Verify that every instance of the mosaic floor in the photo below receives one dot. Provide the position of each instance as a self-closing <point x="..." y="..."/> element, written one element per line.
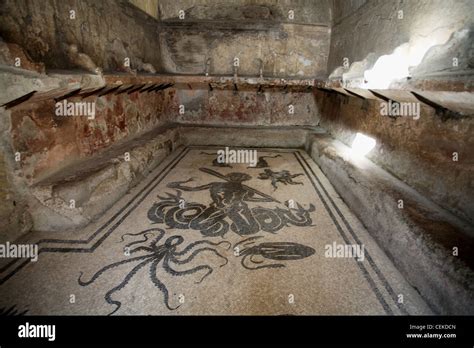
<point x="199" y="237"/>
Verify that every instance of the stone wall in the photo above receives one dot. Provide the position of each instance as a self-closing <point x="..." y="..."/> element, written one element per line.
<point x="287" y="50"/>
<point x="259" y="33"/>
<point x="15" y="83"/>
<point x="223" y="107"/>
<point x="48" y="142"/>
<point x="13" y="210"/>
<point x="419" y="152"/>
<point x="35" y="143"/>
<point x="305" y="11"/>
<point x="103" y="32"/>
<point x="381" y="28"/>
<point x="396" y="40"/>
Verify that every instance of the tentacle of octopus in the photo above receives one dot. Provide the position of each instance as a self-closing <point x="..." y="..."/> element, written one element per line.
<point x="160" y="285"/>
<point x="144" y="233"/>
<point x="192" y="245"/>
<point x="247" y="240"/>
<point x="108" y="295"/>
<point x="174" y="272"/>
<point x="275" y="265"/>
<point x="142" y="248"/>
<point x="171" y="196"/>
<point x="139" y="241"/>
<point x="194" y="254"/>
<point x="253" y="261"/>
<point x="113" y="265"/>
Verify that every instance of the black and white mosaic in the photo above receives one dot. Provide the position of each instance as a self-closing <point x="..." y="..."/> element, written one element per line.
<point x="210" y="236"/>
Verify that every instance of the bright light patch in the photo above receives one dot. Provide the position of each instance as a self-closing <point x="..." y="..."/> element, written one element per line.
<point x="396" y="66"/>
<point x="362" y="145"/>
<point x="388" y="68"/>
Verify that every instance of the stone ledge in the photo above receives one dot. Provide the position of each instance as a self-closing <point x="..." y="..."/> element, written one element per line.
<point x="96" y="183"/>
<point x="418" y="238"/>
<point x="247" y="136"/>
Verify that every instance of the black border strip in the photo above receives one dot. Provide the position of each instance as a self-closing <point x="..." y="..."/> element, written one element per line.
<point x="364" y="271"/>
<point x="170" y="166"/>
<point x="372" y="263"/>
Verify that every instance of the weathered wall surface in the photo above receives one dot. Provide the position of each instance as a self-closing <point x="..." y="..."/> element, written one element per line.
<point x="211" y="35"/>
<point x="287" y="50"/>
<point x="306" y="11"/>
<point x="35" y="143"/>
<point x="13" y="214"/>
<point x="48" y="142"/>
<point x="222" y="107"/>
<point x="95" y="183"/>
<point x="105" y="31"/>
<point x="15" y="83"/>
<point x="259" y="33"/>
<point x="419" y="152"/>
<point x="385" y="42"/>
<point x="424" y="25"/>
<point x="342" y="9"/>
<point x="72" y="157"/>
